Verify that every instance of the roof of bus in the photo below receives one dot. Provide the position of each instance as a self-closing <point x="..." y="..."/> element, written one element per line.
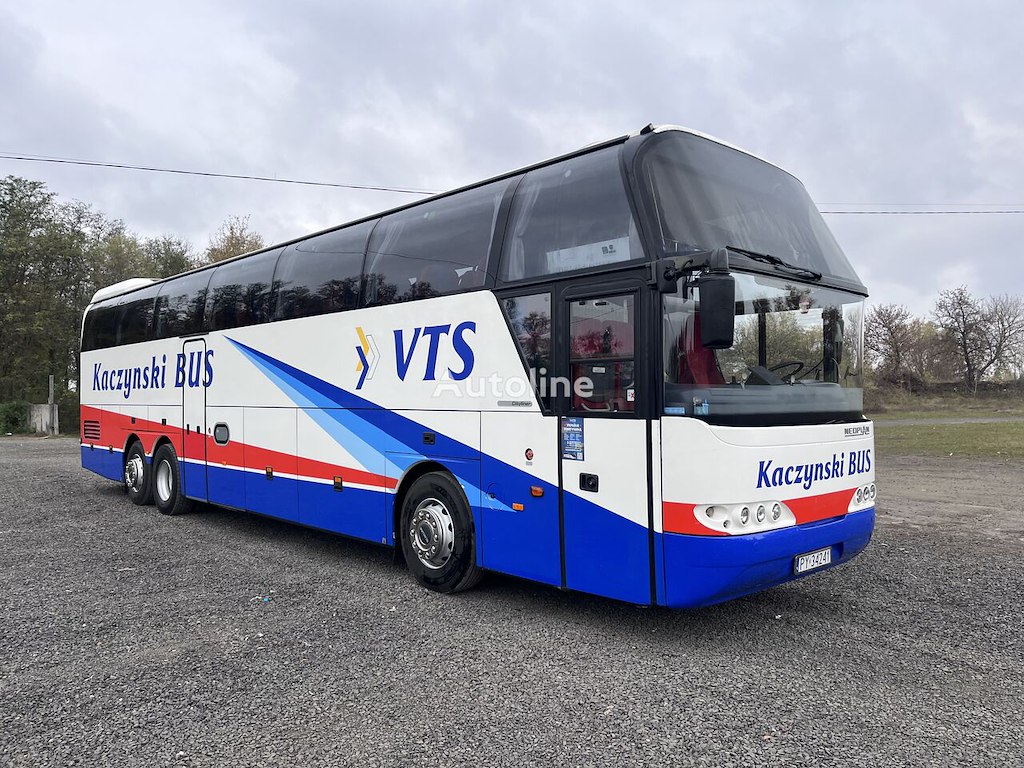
<point x="133" y="284"/>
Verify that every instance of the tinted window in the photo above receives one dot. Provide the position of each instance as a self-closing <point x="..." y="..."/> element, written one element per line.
<point x="180" y="305"/>
<point x="570" y="215"/>
<point x="530" y="318"/>
<point x="135" y="316"/>
<point x="240" y="292"/>
<point x="436" y="248"/>
<point x="321" y="274"/>
<point x="704" y="195"/>
<point x="100" y="329"/>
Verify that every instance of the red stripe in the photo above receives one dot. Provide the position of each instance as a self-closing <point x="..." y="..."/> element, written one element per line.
<point x="115" y="429"/>
<point x="812" y="508"/>
<point x="679" y="518"/>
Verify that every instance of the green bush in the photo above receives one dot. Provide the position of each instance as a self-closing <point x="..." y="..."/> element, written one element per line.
<point x="13" y="417"/>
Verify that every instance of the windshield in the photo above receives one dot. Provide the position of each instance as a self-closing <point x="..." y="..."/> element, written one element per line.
<point x="796" y="357"/>
<point x="703" y="195"/>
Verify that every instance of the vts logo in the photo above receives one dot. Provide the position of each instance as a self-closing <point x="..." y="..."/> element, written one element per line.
<point x="369" y="356"/>
<point x="421" y="343"/>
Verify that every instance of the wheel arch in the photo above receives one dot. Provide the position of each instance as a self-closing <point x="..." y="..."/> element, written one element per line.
<point x="132" y="438"/>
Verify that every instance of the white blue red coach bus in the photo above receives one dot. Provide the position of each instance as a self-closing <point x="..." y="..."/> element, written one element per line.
<point x="632" y="371"/>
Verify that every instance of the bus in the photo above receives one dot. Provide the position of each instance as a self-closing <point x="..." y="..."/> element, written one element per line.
<point x="632" y="371"/>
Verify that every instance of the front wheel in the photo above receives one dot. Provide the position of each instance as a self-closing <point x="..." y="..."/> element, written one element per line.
<point x="167" y="491"/>
<point x="436" y="535"/>
<point x="138" y="475"/>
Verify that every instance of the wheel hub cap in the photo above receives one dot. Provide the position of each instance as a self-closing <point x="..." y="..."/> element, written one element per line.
<point x="134" y="473"/>
<point x="432" y="534"/>
<point x="163" y="480"/>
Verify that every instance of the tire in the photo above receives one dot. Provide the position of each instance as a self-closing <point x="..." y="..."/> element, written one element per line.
<point x="437" y="536"/>
<point x="138" y="475"/>
<point x="166" y="483"/>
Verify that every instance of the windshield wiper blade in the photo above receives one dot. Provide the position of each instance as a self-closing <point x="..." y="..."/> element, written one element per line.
<point x="767" y="258"/>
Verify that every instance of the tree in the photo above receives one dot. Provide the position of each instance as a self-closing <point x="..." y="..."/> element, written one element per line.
<point x="168" y="256"/>
<point x="233" y="238"/>
<point x="887" y="338"/>
<point x="987" y="333"/>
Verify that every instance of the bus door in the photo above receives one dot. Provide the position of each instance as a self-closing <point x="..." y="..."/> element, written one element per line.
<point x="604" y="446"/>
<point x="193" y="419"/>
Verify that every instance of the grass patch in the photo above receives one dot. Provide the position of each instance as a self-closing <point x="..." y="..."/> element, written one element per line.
<point x="992" y="440"/>
<point x="953" y="412"/>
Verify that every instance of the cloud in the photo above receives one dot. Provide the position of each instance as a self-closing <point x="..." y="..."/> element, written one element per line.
<point x="867" y="103"/>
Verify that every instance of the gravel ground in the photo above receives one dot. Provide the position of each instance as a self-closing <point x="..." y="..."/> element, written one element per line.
<point x="130" y="638"/>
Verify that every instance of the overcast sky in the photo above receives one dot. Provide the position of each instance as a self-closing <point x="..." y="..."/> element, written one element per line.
<point x="878" y="104"/>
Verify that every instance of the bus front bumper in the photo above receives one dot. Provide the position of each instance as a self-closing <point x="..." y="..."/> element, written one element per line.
<point x="704" y="570"/>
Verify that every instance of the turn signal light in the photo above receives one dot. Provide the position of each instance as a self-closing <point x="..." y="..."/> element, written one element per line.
<point x="536" y="491"/>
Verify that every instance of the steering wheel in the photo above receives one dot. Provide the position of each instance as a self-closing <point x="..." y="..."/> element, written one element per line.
<point x="796" y="365"/>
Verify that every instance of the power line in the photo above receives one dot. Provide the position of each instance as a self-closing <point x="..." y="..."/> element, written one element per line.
<point x="980" y="208"/>
<point x="924" y="213"/>
<point x="125" y="166"/>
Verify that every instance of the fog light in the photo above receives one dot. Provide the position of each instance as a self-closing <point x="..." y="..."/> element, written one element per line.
<point x="776" y="512"/>
<point x="760" y="514"/>
<point x="744" y="516"/>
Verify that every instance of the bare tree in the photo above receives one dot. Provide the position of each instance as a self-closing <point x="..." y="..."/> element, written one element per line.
<point x="233" y="238"/>
<point x="931" y="354"/>
<point x="887" y="338"/>
<point x="987" y="333"/>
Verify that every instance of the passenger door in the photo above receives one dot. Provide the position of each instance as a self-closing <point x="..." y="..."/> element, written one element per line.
<point x="604" y="445"/>
<point x="193" y="419"/>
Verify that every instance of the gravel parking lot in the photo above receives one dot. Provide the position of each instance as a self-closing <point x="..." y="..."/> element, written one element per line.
<point x="130" y="638"/>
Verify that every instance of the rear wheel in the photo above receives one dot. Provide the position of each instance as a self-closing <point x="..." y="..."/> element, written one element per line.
<point x="138" y="475"/>
<point x="437" y="536"/>
<point x="167" y="483"/>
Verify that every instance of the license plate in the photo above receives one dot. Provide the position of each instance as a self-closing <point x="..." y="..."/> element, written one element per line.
<point x="819" y="558"/>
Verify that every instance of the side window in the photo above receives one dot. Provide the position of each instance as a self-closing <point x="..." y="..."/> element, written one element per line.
<point x="321" y="274"/>
<point x="530" y="319"/>
<point x="601" y="341"/>
<point x="180" y="305"/>
<point x="100" y="329"/>
<point x="569" y="216"/>
<point x="240" y="292"/>
<point x="135" y="316"/>
<point x="433" y="249"/>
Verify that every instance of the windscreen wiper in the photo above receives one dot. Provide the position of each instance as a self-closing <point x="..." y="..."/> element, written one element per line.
<point x="767" y="258"/>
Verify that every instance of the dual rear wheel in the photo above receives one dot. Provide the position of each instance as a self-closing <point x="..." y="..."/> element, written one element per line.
<point x="158" y="482"/>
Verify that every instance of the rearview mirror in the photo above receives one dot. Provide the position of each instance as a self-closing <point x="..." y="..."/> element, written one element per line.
<point x="717" y="309"/>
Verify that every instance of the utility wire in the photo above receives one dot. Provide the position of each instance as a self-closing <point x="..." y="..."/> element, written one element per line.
<point x="981" y="209"/>
<point x="922" y="213"/>
<point x="97" y="164"/>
